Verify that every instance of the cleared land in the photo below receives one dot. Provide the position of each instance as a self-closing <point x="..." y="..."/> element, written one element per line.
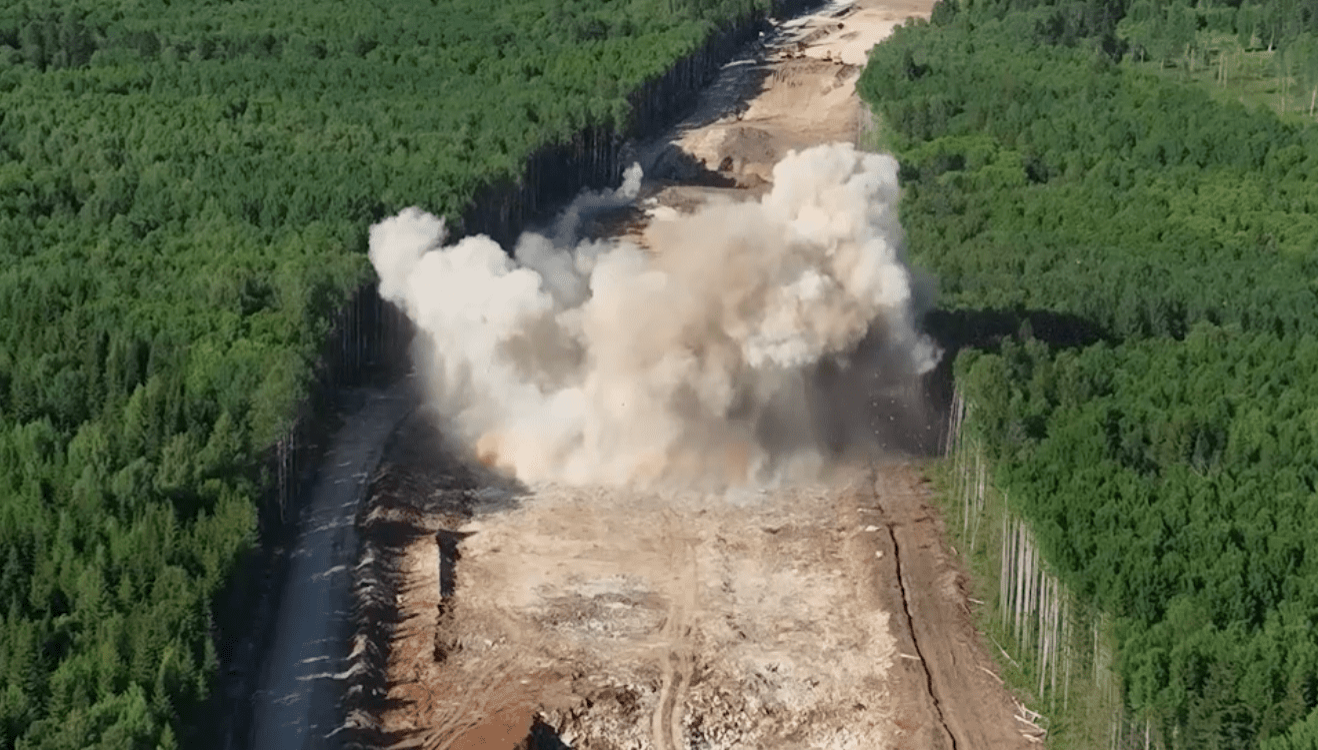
<point x="824" y="615"/>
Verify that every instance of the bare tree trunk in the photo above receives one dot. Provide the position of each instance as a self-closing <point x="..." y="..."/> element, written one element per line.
<point x="1003" y="566"/>
<point x="1066" y="637"/>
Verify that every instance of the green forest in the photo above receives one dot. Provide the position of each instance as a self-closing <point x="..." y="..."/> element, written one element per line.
<point x="1167" y="459"/>
<point x="185" y="192"/>
<point x="1247" y="52"/>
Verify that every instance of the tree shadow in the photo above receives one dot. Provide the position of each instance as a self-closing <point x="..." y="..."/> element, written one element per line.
<point x="675" y="165"/>
<point x="986" y="330"/>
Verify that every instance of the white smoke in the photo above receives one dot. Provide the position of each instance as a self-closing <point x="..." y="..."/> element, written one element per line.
<point x="688" y="361"/>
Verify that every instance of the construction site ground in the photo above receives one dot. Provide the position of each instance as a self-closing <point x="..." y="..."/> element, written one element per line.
<point x="821" y="615"/>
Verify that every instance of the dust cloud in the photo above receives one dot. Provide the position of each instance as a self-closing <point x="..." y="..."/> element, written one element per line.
<point x="694" y="362"/>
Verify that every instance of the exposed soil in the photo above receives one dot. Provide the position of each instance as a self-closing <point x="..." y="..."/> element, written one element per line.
<point x="944" y="681"/>
<point x="795" y="90"/>
<point x="650" y="620"/>
<point x="827" y="615"/>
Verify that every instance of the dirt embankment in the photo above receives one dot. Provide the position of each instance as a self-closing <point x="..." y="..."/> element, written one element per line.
<point x="826" y="615"/>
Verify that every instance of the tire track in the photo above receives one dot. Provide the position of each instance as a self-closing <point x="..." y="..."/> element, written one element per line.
<point x="678" y="661"/>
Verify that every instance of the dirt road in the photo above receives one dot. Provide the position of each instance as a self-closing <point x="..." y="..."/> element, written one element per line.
<point x="823" y="615"/>
<point x="794" y="91"/>
<point x="296" y="705"/>
<point x="946" y="686"/>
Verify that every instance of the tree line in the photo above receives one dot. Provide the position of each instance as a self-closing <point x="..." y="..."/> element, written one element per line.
<point x="1169" y="468"/>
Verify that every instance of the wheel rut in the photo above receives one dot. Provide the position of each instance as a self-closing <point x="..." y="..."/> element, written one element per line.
<point x="678" y="660"/>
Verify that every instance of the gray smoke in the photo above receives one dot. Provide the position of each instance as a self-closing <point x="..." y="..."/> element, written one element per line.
<point x="690" y="361"/>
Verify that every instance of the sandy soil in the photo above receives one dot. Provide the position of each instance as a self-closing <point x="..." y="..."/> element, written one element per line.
<point x="821" y="616"/>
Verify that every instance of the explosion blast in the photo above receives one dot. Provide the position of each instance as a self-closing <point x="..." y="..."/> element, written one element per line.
<point x="691" y="362"/>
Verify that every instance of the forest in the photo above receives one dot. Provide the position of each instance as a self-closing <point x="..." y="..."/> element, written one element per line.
<point x="1167" y="459"/>
<point x="185" y="192"/>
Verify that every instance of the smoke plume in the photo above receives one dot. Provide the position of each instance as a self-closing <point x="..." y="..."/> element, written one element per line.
<point x="696" y="360"/>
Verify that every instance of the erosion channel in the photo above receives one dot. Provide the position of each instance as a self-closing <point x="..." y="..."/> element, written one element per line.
<point x="821" y="613"/>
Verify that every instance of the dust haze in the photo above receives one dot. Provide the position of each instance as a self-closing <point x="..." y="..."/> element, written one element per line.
<point x="746" y="345"/>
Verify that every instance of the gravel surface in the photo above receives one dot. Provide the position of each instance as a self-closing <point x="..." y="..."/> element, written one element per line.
<point x="296" y="705"/>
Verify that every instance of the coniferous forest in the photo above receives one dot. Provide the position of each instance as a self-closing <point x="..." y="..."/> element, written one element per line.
<point x="185" y="193"/>
<point x="1151" y="407"/>
<point x="186" y="187"/>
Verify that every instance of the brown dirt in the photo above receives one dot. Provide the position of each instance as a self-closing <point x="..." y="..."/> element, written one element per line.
<point x="796" y="92"/>
<point x="827" y="616"/>
<point x="821" y="616"/>
<point x="651" y="620"/>
<point x="945" y="683"/>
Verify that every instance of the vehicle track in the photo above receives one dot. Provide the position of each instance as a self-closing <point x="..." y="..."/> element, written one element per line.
<point x="678" y="661"/>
